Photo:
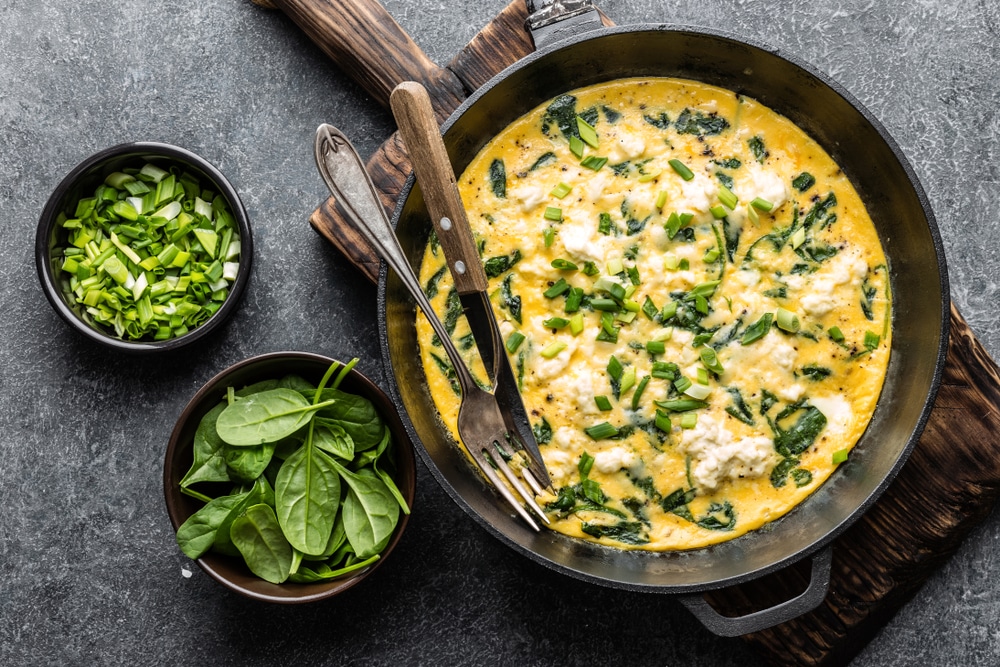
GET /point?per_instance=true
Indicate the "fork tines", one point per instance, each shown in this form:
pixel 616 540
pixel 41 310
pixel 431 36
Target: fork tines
pixel 493 457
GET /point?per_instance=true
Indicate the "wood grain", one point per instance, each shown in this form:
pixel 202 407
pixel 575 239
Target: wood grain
pixel 884 558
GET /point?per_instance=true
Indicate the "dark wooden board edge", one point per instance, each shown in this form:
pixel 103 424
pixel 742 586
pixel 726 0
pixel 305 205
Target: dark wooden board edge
pixel 887 555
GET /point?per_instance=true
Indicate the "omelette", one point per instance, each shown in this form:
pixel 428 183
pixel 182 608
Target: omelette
pixel 694 299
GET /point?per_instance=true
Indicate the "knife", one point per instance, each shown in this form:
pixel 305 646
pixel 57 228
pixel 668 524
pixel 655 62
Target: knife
pixel 411 106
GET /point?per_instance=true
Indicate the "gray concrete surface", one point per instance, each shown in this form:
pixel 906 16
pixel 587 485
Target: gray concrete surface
pixel 89 572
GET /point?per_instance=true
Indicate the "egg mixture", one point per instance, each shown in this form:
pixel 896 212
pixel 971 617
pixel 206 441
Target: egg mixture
pixel 694 300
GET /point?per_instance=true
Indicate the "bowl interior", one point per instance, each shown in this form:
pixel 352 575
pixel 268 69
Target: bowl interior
pixel 232 572
pixel 904 223
pixel 81 182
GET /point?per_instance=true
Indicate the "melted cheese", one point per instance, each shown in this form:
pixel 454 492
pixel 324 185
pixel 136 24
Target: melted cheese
pixel 776 410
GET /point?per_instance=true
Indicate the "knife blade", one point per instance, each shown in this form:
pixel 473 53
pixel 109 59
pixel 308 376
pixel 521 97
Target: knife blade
pixel 414 115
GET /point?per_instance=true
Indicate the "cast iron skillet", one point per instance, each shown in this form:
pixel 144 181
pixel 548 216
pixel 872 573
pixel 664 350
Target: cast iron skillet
pixel 902 215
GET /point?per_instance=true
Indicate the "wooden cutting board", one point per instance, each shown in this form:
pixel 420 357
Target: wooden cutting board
pixel 883 559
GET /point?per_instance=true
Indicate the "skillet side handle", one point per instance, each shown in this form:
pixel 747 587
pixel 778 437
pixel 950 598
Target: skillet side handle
pixel 369 46
pixel 809 599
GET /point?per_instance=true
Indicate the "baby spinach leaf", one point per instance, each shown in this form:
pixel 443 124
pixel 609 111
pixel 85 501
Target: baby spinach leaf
pixel 307 497
pixel 247 463
pixel 779 474
pixel 695 122
pixel 383 449
pixel 307 575
pixel 511 301
pixel 720 516
pixel 370 511
pixel 266 416
pixel 259 539
pixel 331 437
pixel 355 414
pixel 660 121
pixel 260 492
pixel 561 113
pixel 803 181
pixel 627 532
pixel 296 382
pixel 758 149
pixel 256 387
pixel 801 435
pixel 498 179
pixel 543 159
pixel 495 266
pixel 196 535
pixel 209 463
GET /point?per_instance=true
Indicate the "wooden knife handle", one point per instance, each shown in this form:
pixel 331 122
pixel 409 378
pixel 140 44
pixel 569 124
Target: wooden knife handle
pixel 411 106
pixel 369 46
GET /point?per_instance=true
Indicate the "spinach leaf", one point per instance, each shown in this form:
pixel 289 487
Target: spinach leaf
pixel 739 408
pixel 498 179
pixel 370 511
pixel 385 476
pixel 307 497
pixel 816 373
pixel 627 532
pixel 266 416
pixel 561 113
pixel 355 414
pixel 732 233
pixel 803 181
pixel 661 121
pixel 802 434
pixel 196 535
pixel 729 163
pixel 444 365
pixel 209 463
pixel 819 209
pixel 719 517
pixel 610 114
pixel 495 266
pixel 801 477
pixel 331 437
pixel 542 431
pixel 868 292
pixel 247 463
pixel 702 124
pixel 779 474
pixel 758 149
pixel 431 288
pixel 543 159
pixel 296 382
pixel 323 572
pixel 511 301
pixel 757 330
pixel 260 492
pixel 259 539
pixel 725 179
pixel 606 226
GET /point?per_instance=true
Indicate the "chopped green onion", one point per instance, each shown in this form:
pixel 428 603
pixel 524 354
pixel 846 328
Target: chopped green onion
pixel 605 305
pixel 593 162
pixel 555 323
pixel 698 392
pixel 798 238
pixel 626 316
pixel 649 176
pixel 576 146
pixel 576 324
pixel 681 169
pixel 627 379
pixel 649 309
pixel 753 215
pixel 682 405
pixel 601 431
pixel 615 266
pixel 561 190
pixel 872 340
pixel 615 367
pixel 787 320
pixel 711 255
pixel 553 213
pixel 564 265
pixel 669 310
pixel 711 360
pixel 662 421
pixel 757 330
pixel 514 341
pixel 762 204
pixel 671 262
pixel 587 132
pixel 702 376
pixel 603 404
pixel 718 211
pixel 559 287
pixel 637 395
pixel 590 269
pixel 548 236
pixel 836 334
pixel 839 456
pixel 728 197
pixel 661 199
pixel 682 384
pixel 656 347
pixel 689 420
pixel 553 348
pixel 573 299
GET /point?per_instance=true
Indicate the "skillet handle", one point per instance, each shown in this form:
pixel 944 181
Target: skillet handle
pixel 369 46
pixel 809 599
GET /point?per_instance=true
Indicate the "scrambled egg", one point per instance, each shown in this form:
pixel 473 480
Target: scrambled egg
pixel 694 299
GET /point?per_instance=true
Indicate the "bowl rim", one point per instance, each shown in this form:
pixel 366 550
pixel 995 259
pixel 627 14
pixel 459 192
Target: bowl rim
pixel 250 586
pixel 48 277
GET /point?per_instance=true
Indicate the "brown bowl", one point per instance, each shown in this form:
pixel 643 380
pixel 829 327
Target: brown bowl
pixel 232 572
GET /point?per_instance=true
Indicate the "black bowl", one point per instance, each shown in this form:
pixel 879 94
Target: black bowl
pixel 232 572
pixel 81 182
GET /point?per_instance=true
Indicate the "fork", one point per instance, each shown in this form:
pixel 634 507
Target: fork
pixel 481 425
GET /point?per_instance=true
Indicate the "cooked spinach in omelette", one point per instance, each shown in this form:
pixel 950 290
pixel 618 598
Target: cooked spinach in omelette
pixel 694 299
